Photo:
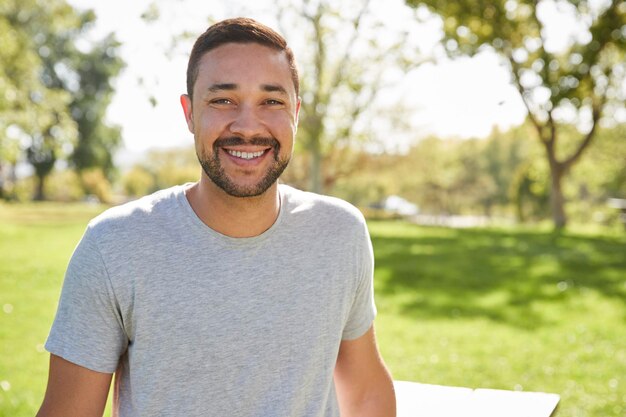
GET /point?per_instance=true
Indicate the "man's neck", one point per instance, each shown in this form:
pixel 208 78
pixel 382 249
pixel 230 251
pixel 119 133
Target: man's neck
pixel 233 216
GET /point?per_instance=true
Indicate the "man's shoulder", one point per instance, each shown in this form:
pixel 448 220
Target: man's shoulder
pixel 137 212
pixel 322 207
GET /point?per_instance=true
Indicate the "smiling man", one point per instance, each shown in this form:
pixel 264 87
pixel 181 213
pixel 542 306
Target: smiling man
pixel 232 296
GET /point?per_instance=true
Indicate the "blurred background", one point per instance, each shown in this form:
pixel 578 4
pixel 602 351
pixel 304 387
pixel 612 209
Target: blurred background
pixel 504 111
pixel 485 141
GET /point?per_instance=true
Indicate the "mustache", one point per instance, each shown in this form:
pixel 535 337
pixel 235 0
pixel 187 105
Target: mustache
pixel 236 140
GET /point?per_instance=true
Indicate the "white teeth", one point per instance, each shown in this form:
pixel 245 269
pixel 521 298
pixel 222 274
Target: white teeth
pixel 245 155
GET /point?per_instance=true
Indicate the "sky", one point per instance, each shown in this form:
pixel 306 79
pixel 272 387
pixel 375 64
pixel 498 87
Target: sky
pixel 462 98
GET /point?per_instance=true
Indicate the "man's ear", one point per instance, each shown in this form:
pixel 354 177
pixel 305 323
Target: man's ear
pixel 298 105
pixel 185 101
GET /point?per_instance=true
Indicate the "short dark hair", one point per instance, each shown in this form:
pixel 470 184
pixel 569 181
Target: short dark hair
pixel 238 30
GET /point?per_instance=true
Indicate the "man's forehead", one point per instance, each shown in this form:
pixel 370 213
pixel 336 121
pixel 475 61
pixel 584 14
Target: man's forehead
pixel 229 65
pixel 249 51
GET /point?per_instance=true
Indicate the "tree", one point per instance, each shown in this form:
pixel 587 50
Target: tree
pixel 448 176
pixel 9 154
pixel 38 112
pixel 575 84
pixel 86 74
pixel 16 71
pixel 599 177
pixel 55 94
pixel 97 141
pixel 504 154
pixel 529 191
pixel 348 57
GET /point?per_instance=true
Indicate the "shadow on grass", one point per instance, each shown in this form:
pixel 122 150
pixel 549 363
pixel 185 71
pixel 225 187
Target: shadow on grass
pixel 497 274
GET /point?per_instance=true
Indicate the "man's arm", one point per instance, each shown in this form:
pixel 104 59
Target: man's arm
pixel 74 391
pixel 363 383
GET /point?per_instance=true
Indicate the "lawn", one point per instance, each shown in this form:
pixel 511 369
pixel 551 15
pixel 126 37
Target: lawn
pixel 36 242
pixel 506 309
pixel 509 309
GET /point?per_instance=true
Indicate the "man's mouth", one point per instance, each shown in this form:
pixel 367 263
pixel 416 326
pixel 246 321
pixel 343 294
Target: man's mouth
pixel 245 155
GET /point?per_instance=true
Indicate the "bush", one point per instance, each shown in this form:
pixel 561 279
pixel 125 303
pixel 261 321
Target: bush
pixel 138 181
pixel 95 183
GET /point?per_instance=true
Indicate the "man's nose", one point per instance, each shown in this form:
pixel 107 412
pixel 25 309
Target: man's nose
pixel 247 122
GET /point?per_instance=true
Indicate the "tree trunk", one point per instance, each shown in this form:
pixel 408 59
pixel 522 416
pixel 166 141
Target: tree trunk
pixel 40 194
pixel 557 200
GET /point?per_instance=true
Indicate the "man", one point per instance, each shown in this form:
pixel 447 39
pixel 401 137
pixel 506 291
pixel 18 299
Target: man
pixel 233 296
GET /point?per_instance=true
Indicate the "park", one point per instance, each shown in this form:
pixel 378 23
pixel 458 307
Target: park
pixel 505 269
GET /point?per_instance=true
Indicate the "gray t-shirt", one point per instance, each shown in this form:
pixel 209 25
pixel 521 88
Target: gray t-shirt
pixel 196 323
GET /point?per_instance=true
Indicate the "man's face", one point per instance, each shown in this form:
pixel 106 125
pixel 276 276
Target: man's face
pixel 243 116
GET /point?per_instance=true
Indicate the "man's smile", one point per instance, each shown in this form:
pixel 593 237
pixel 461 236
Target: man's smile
pixel 247 152
pixel 246 155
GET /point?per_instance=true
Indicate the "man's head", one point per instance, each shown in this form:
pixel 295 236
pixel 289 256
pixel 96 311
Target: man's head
pixel 242 105
pixel 238 30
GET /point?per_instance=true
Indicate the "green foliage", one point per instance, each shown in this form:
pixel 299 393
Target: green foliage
pixel 161 169
pixel 504 152
pixel 603 172
pixel 138 181
pixel 590 67
pixel 53 95
pixel 571 85
pixel 442 176
pixel 68 186
pixel 152 13
pixel 95 183
pixel 504 174
pixel 64 186
pixel 372 184
pixel 600 176
pixel 529 191
pixel 97 141
pixel 438 185
pixel 32 103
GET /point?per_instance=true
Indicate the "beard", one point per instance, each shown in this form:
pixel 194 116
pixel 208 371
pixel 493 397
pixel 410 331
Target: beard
pixel 212 167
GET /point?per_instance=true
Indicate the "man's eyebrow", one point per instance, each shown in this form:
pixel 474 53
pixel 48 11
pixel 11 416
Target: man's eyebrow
pixel 270 88
pixel 224 86
pixel 273 88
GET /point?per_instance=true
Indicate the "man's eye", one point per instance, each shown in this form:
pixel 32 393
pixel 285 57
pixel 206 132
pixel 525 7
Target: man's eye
pixel 221 101
pixel 273 102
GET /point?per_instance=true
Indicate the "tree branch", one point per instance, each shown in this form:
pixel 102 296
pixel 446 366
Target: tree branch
pixel 551 142
pixel 596 113
pixel 341 68
pixel 522 91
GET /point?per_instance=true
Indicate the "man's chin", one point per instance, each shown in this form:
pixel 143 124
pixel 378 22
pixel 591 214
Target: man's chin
pixel 246 191
pixel 243 190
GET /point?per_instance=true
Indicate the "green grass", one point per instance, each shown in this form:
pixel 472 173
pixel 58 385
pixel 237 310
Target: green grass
pixel 508 309
pixel 36 241
pixel 504 309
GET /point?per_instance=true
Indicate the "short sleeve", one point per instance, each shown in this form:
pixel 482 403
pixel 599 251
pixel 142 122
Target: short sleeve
pixel 88 328
pixel 363 309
